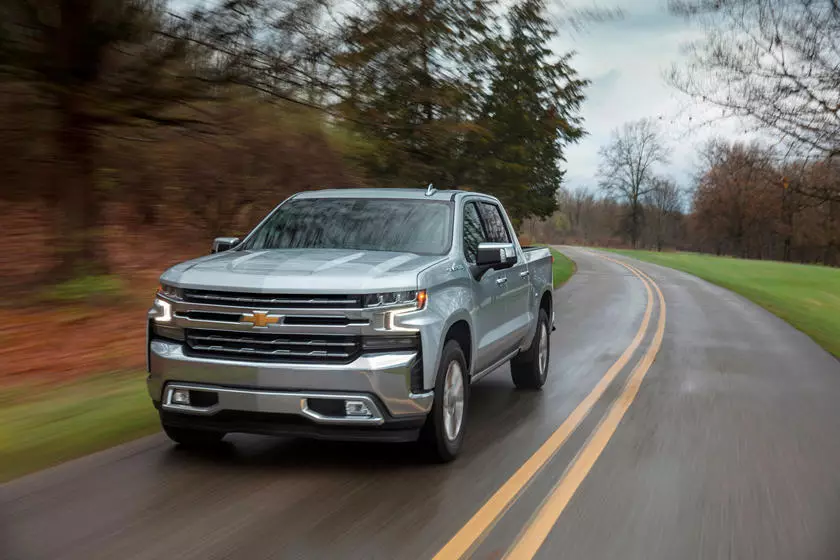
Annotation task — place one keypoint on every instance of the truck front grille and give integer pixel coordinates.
(274, 301)
(274, 347)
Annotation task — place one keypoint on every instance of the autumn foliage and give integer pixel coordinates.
(746, 202)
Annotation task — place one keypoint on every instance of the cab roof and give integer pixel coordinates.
(386, 192)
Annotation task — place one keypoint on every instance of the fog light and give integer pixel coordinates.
(180, 396)
(356, 408)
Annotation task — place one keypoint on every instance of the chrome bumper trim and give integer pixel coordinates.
(385, 377)
(276, 402)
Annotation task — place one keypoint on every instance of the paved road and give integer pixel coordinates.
(729, 449)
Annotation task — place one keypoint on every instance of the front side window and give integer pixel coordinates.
(496, 229)
(473, 232)
(423, 227)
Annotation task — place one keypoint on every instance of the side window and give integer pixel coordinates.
(496, 229)
(473, 232)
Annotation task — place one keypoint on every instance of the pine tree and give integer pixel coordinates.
(412, 70)
(531, 114)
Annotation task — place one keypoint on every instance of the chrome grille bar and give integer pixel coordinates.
(272, 346)
(277, 301)
(280, 352)
(275, 342)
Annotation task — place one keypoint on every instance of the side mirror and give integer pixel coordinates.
(496, 255)
(224, 243)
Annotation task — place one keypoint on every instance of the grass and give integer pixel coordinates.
(102, 287)
(59, 423)
(563, 267)
(806, 296)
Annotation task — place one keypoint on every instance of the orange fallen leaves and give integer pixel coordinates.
(66, 343)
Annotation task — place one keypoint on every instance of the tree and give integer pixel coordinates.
(627, 167)
(737, 202)
(775, 63)
(530, 114)
(665, 200)
(96, 64)
(282, 49)
(411, 72)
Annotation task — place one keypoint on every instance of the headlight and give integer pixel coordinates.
(170, 291)
(415, 298)
(161, 311)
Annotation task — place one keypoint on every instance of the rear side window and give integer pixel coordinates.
(473, 232)
(496, 229)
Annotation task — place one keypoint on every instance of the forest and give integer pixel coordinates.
(133, 131)
(743, 203)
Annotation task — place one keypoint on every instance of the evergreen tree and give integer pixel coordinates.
(412, 71)
(531, 114)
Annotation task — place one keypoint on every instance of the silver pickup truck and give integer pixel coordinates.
(350, 314)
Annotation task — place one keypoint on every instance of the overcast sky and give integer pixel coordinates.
(626, 60)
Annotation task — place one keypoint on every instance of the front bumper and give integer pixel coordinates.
(249, 390)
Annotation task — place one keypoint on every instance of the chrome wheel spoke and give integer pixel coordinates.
(543, 350)
(453, 400)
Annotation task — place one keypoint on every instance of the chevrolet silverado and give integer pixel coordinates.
(356, 314)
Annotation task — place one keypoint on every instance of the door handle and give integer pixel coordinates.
(501, 281)
(524, 274)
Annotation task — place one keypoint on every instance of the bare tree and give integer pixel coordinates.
(775, 63)
(627, 167)
(665, 199)
(581, 199)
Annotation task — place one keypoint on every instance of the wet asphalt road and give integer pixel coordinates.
(731, 449)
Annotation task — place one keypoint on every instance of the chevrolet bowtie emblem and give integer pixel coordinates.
(261, 318)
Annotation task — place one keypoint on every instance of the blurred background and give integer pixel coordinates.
(134, 131)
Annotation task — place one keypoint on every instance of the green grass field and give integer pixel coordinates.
(56, 424)
(564, 267)
(806, 296)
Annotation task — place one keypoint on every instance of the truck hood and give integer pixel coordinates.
(301, 271)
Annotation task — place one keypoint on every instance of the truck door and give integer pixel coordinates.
(489, 292)
(517, 316)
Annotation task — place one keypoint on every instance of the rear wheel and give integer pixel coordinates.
(530, 368)
(193, 438)
(443, 432)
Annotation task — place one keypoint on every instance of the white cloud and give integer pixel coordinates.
(626, 61)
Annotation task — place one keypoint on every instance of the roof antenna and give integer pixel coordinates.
(430, 190)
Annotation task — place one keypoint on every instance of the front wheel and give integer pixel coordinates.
(530, 369)
(444, 429)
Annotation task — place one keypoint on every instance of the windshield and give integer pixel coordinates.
(365, 224)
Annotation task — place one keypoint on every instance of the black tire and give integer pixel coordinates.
(525, 369)
(439, 446)
(193, 438)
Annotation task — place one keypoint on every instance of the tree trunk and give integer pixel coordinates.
(75, 196)
(634, 222)
(78, 205)
(428, 111)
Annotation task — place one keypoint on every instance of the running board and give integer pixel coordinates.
(483, 373)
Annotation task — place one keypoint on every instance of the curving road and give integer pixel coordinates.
(727, 445)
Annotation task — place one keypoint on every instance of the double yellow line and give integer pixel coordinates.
(529, 541)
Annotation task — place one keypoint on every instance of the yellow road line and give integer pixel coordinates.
(473, 532)
(534, 536)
